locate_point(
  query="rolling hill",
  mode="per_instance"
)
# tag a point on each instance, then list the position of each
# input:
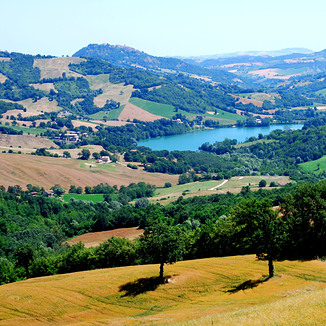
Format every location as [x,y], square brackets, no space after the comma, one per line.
[215,291]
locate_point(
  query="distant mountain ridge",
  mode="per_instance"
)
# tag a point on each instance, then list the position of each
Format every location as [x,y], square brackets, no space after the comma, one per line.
[275,53]
[124,56]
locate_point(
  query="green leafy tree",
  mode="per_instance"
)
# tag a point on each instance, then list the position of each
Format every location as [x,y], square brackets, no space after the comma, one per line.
[257,228]
[66,154]
[84,154]
[163,244]
[58,190]
[262,183]
[24,256]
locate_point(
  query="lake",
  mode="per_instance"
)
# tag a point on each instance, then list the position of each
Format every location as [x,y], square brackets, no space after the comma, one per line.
[191,141]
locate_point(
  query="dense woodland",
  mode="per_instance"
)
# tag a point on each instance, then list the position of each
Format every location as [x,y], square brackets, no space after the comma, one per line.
[32,229]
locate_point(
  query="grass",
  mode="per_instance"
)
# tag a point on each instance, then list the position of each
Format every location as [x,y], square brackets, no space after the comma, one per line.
[234,185]
[163,110]
[317,166]
[95,198]
[26,130]
[291,71]
[200,292]
[168,111]
[111,115]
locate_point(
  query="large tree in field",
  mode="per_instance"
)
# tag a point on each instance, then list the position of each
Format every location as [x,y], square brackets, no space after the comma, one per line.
[162,243]
[257,229]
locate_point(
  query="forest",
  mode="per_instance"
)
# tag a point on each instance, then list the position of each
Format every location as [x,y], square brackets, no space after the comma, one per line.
[33,228]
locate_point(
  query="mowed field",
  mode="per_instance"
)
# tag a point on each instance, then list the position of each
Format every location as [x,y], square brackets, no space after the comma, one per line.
[214,291]
[205,188]
[20,169]
[93,239]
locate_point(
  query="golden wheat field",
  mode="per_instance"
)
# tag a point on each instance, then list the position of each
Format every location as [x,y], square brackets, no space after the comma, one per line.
[215,291]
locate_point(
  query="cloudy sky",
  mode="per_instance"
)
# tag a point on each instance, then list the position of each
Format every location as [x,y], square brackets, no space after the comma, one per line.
[162,28]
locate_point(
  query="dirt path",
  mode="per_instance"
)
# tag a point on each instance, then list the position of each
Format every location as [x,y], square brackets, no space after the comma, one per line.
[220,185]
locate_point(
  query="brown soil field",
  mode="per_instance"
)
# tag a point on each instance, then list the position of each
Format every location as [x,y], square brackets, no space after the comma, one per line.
[247,101]
[78,123]
[117,92]
[3,78]
[270,73]
[48,171]
[44,87]
[93,239]
[132,111]
[54,67]
[113,123]
[4,59]
[26,142]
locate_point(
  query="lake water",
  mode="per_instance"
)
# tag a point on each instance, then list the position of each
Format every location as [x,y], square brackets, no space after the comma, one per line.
[191,141]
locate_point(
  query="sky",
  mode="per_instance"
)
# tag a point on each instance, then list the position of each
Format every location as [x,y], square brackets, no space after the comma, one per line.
[162,28]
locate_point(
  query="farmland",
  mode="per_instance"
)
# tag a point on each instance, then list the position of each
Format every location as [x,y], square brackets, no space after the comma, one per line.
[214,291]
[48,171]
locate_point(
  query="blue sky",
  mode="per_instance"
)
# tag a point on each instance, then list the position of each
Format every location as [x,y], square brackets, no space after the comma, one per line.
[162,28]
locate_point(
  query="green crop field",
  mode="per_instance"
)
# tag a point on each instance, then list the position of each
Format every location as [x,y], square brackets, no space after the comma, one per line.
[110,115]
[95,198]
[317,166]
[32,131]
[168,111]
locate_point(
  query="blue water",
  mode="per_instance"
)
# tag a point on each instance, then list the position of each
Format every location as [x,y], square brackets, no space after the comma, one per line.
[191,141]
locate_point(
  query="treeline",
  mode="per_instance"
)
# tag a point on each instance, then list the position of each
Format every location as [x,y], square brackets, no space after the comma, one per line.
[32,229]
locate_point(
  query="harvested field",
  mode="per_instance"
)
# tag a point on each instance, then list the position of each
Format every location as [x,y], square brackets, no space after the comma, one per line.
[46,87]
[54,67]
[262,115]
[93,239]
[78,123]
[215,291]
[244,100]
[4,59]
[270,74]
[112,123]
[117,92]
[74,152]
[48,171]
[132,111]
[27,143]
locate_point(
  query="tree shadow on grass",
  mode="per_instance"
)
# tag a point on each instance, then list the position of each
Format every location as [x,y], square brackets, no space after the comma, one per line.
[142,285]
[250,284]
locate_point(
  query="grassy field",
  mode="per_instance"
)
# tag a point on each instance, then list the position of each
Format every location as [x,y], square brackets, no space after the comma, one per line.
[168,111]
[26,130]
[214,291]
[317,166]
[111,115]
[95,198]
[234,185]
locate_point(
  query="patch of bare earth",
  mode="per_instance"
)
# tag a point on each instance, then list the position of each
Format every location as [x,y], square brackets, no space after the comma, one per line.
[39,107]
[94,239]
[45,172]
[244,100]
[113,123]
[118,92]
[255,114]
[270,74]
[26,142]
[3,78]
[78,123]
[55,67]
[132,111]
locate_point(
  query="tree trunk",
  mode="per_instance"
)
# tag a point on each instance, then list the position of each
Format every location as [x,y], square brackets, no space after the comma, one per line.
[270,267]
[161,271]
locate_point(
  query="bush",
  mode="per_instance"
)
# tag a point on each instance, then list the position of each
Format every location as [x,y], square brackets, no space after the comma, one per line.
[262,183]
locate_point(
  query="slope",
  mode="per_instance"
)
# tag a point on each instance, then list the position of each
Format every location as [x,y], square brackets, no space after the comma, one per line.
[219,291]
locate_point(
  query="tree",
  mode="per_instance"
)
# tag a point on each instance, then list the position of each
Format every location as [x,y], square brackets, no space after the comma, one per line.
[58,190]
[96,155]
[66,154]
[262,183]
[24,255]
[85,154]
[258,229]
[163,244]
